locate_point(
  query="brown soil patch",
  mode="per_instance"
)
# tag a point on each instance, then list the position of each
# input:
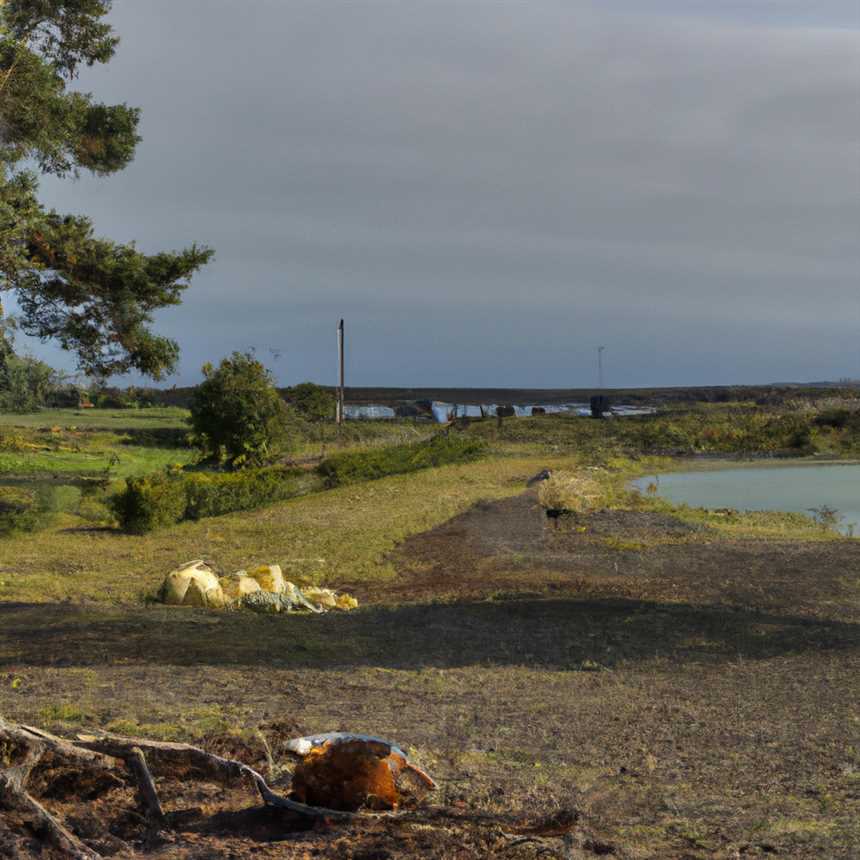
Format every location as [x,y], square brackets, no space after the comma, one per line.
[511,547]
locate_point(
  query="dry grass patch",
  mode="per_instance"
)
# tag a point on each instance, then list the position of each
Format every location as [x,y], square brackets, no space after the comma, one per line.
[575,492]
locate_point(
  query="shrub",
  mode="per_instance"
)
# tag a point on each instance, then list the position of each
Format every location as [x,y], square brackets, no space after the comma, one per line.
[237,415]
[213,494]
[17,510]
[105,397]
[151,502]
[162,500]
[25,509]
[787,431]
[838,419]
[312,401]
[398,459]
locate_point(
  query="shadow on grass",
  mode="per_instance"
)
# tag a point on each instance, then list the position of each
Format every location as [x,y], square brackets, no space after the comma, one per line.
[155,437]
[560,634]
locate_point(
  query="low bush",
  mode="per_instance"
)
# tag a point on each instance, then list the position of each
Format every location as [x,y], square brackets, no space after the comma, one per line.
[23,510]
[157,501]
[399,459]
[164,499]
[838,419]
[151,502]
[212,494]
[119,398]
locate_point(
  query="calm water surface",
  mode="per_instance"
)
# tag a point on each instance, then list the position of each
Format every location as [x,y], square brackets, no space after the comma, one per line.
[777,488]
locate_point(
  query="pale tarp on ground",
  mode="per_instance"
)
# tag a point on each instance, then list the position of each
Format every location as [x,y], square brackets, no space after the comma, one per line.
[442,412]
[368,413]
[445,412]
[560,408]
[468,410]
[633,410]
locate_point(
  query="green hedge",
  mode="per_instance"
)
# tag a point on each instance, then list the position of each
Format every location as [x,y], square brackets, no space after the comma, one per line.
[157,501]
[21,511]
[162,500]
[210,495]
[398,459]
[150,503]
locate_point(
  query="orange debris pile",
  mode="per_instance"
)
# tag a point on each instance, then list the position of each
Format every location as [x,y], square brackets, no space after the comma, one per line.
[349,775]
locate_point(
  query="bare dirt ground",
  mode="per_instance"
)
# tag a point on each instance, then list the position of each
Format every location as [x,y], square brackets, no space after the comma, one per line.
[626,686]
[512,546]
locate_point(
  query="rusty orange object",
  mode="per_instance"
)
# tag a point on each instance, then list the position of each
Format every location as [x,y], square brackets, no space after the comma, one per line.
[350,772]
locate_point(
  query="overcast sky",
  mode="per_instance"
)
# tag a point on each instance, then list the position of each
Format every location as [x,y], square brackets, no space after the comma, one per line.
[487,191]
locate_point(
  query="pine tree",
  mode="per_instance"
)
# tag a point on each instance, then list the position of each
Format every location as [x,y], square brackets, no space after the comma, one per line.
[94,296]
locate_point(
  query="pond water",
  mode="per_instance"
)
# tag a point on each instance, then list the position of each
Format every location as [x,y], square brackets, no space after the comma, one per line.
[775,488]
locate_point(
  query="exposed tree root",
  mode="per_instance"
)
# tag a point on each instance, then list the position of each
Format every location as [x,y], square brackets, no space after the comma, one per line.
[172,759]
[104,760]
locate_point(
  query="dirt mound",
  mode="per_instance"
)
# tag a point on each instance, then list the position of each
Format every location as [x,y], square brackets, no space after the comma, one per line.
[510,547]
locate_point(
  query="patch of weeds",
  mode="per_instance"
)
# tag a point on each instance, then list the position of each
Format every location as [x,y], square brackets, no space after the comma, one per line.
[593,666]
[826,517]
[624,544]
[129,728]
[24,509]
[508,594]
[692,832]
[94,510]
[801,826]
[205,719]
[65,712]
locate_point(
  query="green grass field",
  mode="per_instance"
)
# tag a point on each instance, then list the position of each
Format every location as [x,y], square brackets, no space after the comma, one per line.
[106,419]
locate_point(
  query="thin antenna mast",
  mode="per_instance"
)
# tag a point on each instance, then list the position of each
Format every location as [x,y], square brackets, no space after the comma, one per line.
[600,367]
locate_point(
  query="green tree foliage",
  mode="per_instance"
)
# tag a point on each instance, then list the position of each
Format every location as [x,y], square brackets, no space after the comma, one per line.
[312,401]
[237,415]
[94,296]
[25,383]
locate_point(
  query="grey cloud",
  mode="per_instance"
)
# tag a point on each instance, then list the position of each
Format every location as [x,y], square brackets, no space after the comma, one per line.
[485,187]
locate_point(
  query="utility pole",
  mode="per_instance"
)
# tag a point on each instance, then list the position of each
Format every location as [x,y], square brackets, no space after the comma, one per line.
[600,367]
[341,363]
